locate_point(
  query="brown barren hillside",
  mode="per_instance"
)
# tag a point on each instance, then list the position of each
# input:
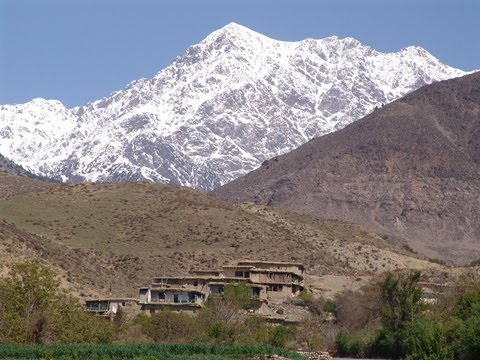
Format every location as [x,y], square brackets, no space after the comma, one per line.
[115,237]
[13,184]
[410,170]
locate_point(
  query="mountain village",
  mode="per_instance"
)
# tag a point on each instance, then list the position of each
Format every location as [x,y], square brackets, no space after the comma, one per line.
[334,185]
[271,283]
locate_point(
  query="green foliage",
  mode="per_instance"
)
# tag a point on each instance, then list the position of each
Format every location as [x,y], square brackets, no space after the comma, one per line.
[329,305]
[305,298]
[25,297]
[141,351]
[256,331]
[347,345]
[425,339]
[278,335]
[402,298]
[468,305]
[239,294]
[468,345]
[168,326]
[216,331]
[34,310]
[387,343]
[342,343]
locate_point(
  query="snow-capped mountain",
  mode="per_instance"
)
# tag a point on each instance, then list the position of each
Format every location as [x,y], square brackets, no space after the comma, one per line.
[217,112]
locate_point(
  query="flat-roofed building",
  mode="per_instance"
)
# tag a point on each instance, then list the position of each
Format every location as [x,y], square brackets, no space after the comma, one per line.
[109,306]
[269,281]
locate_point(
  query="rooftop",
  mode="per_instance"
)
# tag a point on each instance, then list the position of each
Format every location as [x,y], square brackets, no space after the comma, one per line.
[274,263]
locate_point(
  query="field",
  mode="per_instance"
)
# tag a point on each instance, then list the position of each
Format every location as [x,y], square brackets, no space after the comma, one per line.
[141,352]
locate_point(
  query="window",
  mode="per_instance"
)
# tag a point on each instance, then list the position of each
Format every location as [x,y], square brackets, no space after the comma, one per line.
[195,283]
[275,287]
[238,273]
[246,274]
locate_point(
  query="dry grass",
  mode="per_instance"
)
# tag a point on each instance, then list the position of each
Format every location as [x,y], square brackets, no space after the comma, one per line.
[114,237]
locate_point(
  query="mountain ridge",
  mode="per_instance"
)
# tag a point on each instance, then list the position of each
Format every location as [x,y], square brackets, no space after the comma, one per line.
[218,111]
[409,170]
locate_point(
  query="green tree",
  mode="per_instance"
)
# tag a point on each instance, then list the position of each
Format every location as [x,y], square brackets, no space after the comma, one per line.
[33,309]
[239,294]
[402,305]
[425,339]
[402,298]
[465,326]
[25,297]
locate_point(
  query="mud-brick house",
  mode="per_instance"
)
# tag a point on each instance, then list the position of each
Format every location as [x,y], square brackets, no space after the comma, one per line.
[186,294]
[280,279]
[269,282]
[110,306]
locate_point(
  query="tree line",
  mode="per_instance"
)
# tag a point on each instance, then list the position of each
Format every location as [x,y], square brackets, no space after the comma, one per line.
[387,319]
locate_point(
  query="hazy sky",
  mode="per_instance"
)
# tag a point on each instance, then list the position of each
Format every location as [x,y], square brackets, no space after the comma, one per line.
[81,50]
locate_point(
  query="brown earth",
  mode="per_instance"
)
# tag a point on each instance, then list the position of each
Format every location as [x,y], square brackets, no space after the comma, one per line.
[13,184]
[109,239]
[410,170]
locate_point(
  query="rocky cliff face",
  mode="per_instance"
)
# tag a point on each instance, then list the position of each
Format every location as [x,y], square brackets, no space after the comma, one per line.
[410,170]
[217,112]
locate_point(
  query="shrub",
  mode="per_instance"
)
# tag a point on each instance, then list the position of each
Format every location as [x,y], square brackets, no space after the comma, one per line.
[34,310]
[239,294]
[168,326]
[468,343]
[329,306]
[313,333]
[305,298]
[387,343]
[425,339]
[342,343]
[347,345]
[215,331]
[278,336]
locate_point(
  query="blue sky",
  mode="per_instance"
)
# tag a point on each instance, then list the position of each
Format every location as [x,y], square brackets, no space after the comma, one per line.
[81,50]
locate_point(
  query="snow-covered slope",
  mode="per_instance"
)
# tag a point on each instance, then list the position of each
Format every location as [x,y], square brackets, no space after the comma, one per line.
[217,112]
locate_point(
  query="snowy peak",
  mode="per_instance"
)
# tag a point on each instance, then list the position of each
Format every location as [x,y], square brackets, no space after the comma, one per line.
[217,112]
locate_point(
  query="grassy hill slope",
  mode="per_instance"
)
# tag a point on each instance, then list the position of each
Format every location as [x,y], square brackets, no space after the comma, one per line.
[114,237]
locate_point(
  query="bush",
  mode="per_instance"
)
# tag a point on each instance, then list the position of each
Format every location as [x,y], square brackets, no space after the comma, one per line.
[239,294]
[305,298]
[342,344]
[314,333]
[387,343]
[425,339]
[167,326]
[34,310]
[278,336]
[329,306]
[215,331]
[347,345]
[468,345]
